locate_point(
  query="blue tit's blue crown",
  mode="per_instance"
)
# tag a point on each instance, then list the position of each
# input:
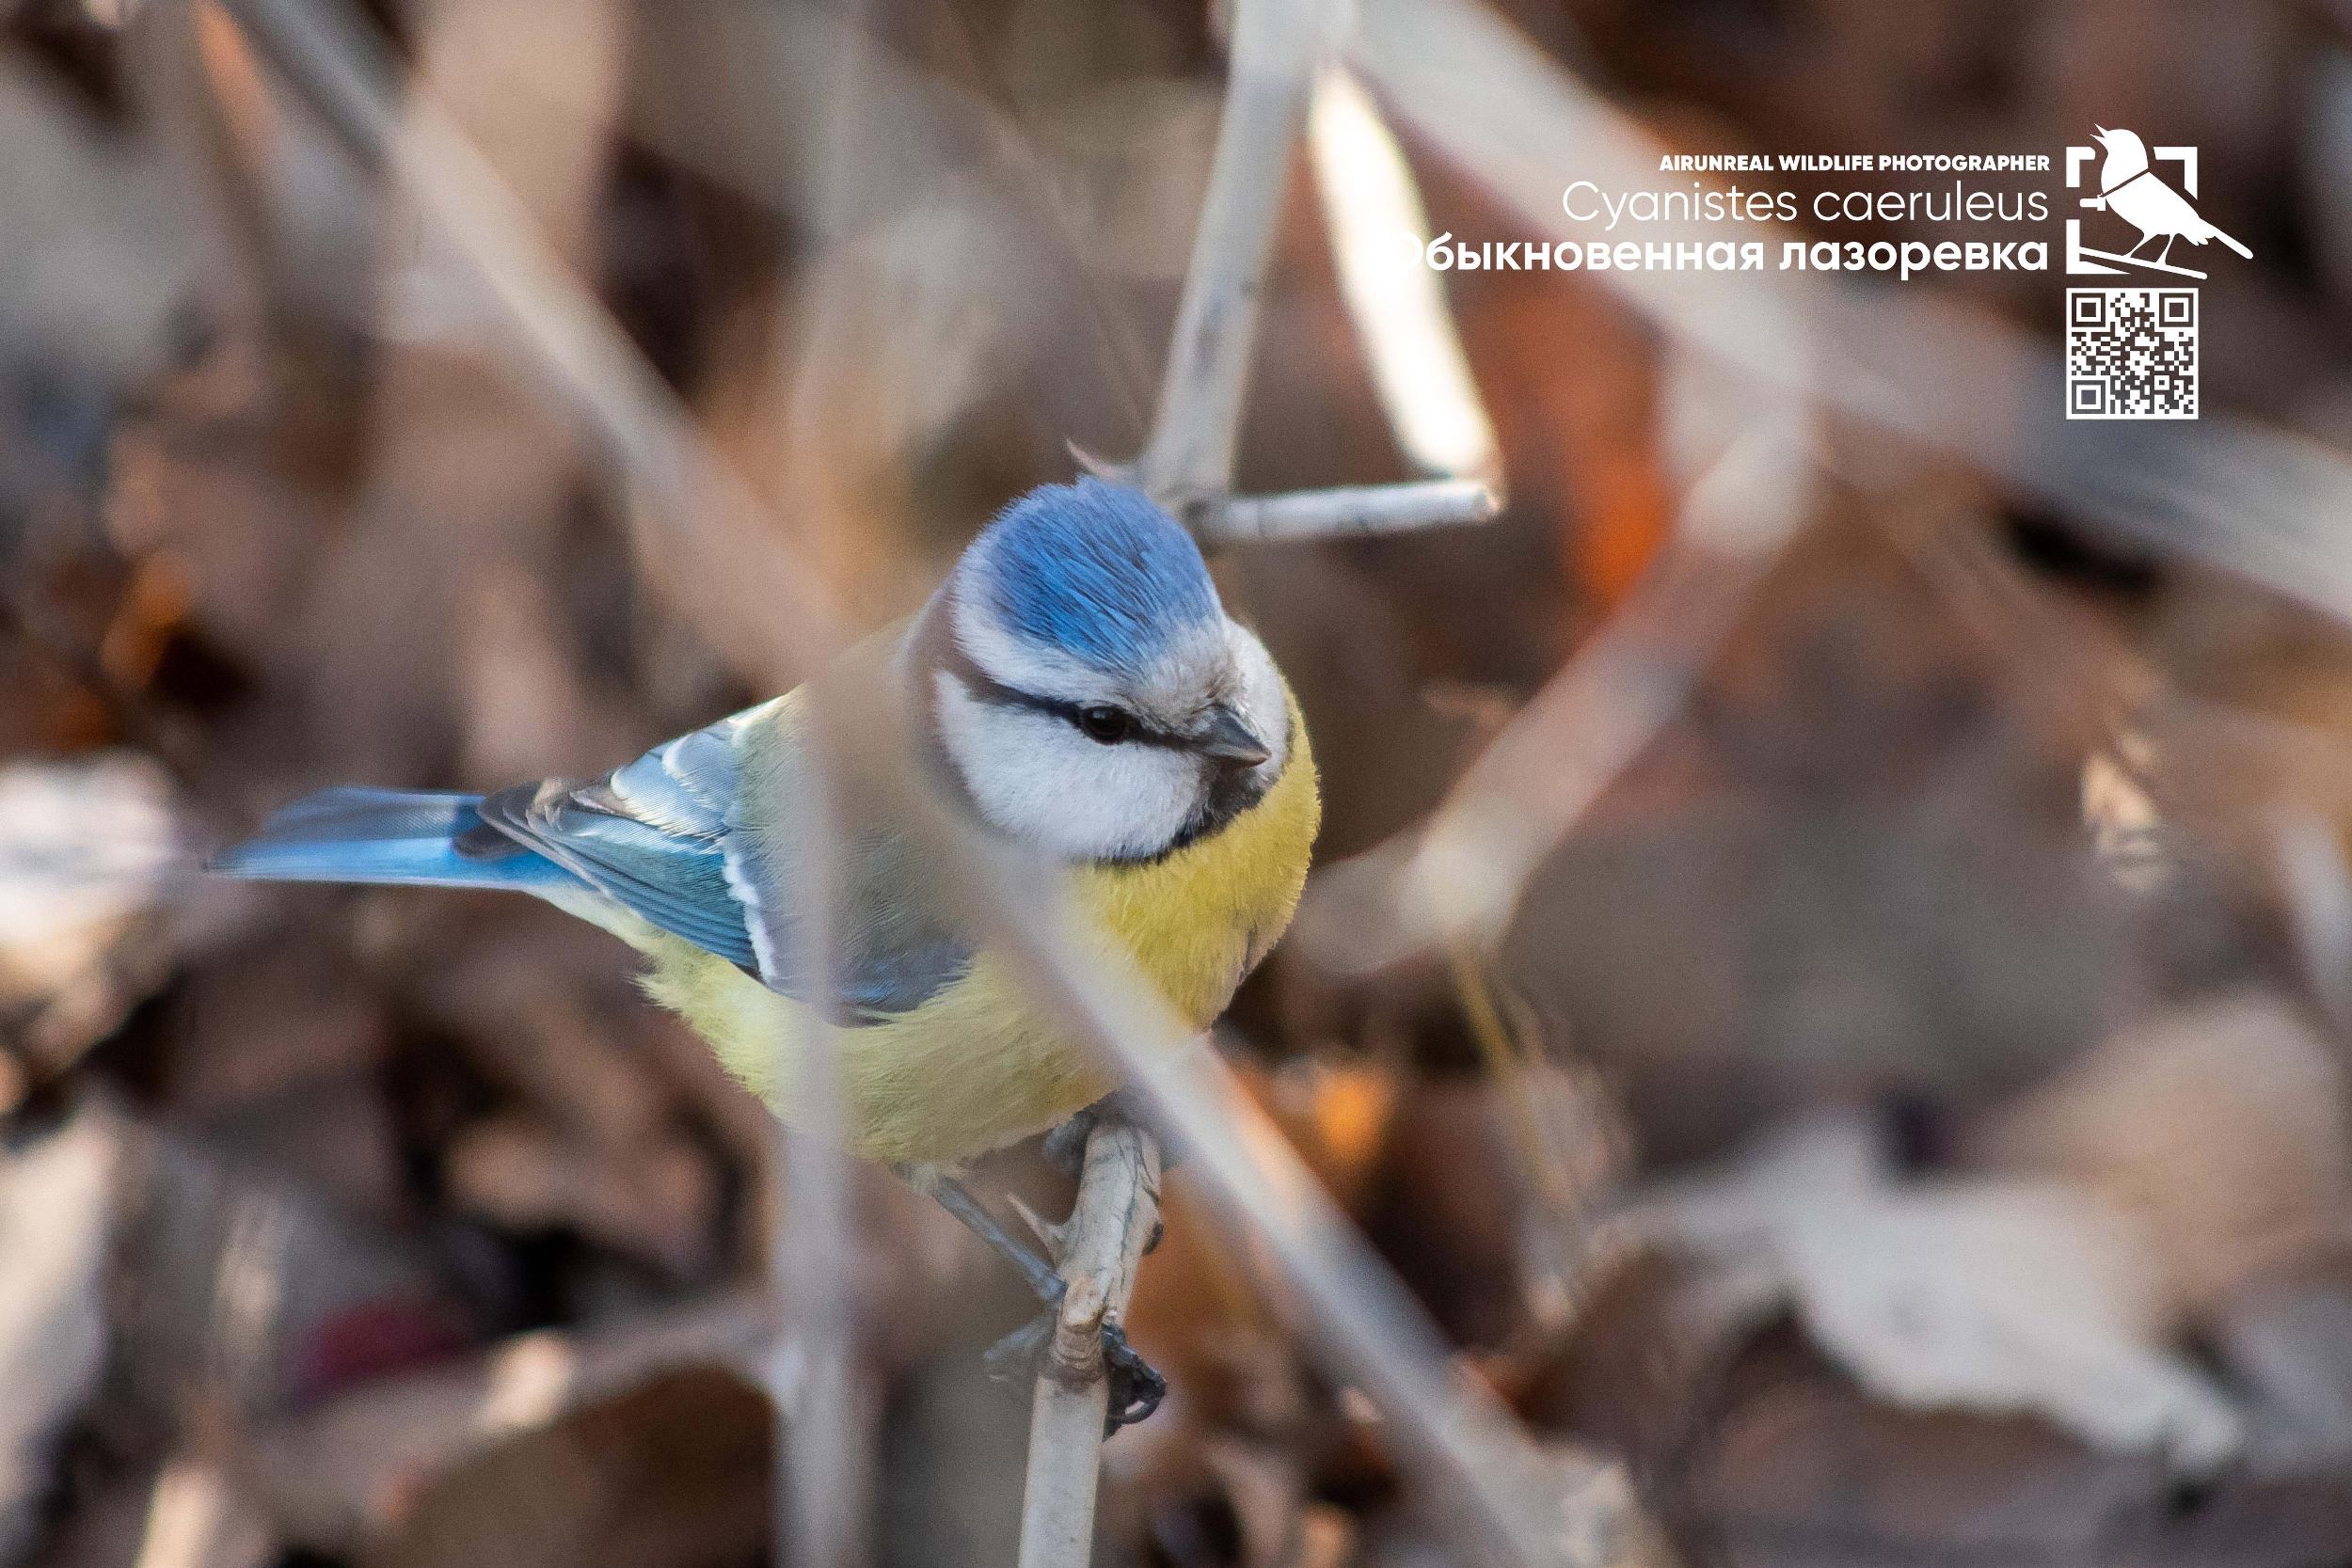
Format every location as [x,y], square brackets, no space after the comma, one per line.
[1096,571]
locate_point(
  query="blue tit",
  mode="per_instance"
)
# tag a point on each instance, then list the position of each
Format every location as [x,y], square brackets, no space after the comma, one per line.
[1079,689]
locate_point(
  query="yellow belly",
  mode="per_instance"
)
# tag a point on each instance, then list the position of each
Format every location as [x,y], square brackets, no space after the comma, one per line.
[971,1069]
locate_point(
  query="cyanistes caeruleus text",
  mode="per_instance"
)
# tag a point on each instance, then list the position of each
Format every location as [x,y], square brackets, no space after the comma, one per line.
[1077,687]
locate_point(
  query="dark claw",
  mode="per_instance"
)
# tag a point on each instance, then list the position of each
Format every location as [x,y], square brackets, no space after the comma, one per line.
[1136,1386]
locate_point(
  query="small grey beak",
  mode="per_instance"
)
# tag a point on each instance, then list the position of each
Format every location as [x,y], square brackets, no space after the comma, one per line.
[1227,739]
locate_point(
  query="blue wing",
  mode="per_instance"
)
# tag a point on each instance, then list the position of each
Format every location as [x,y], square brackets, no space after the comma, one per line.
[892,948]
[650,836]
[667,837]
[671,837]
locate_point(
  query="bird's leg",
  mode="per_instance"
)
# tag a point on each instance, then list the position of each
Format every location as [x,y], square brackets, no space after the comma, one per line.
[1035,1269]
[2143,240]
[1136,1386]
[2163,255]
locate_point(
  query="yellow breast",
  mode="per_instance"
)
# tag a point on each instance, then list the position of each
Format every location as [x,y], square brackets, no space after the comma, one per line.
[971,1069]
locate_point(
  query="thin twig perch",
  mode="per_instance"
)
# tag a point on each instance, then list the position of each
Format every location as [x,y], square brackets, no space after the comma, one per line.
[1117,1212]
[1348,509]
[1276,49]
[1188,460]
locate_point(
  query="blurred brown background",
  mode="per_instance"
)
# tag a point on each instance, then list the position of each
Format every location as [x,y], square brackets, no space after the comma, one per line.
[1917,1133]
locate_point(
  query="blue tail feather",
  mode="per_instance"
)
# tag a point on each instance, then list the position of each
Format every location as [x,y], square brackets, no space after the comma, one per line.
[385,836]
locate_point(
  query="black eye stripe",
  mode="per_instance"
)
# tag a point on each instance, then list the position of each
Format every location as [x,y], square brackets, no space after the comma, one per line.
[986,688]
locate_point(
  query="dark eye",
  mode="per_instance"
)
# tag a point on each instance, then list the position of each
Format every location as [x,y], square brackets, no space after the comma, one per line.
[1108,725]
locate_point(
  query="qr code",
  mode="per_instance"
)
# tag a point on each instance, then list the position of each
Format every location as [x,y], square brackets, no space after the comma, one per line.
[2131,354]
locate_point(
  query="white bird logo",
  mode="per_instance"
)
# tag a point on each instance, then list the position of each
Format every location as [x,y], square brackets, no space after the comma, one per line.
[2134,192]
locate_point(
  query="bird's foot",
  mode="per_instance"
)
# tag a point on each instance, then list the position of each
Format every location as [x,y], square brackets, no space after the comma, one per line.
[1136,1386]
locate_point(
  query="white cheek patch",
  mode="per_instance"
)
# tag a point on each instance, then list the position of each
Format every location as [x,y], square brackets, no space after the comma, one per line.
[1034,776]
